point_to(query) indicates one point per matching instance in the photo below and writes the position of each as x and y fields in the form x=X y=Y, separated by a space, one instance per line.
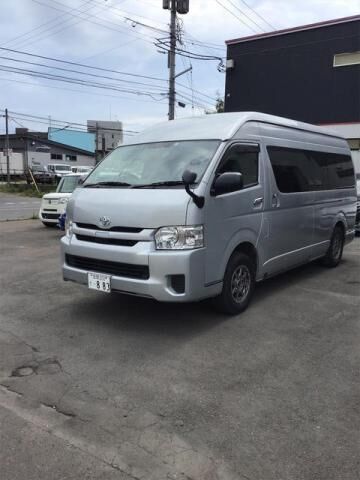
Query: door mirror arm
x=188 y=178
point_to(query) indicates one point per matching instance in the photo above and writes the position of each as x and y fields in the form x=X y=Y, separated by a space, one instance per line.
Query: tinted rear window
x=298 y=170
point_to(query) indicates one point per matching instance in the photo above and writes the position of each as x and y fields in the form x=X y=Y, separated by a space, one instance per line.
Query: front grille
x=90 y=226
x=107 y=241
x=49 y=209
x=111 y=268
x=50 y=216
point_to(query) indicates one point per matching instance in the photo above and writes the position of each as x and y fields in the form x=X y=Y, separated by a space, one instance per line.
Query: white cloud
x=116 y=45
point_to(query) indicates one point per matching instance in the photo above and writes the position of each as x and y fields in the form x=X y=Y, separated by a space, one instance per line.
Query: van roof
x=222 y=126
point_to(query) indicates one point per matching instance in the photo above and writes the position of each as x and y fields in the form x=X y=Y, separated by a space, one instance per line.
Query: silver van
x=205 y=207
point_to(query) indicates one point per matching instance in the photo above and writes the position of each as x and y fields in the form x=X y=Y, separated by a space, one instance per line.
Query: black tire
x=48 y=224
x=235 y=297
x=334 y=254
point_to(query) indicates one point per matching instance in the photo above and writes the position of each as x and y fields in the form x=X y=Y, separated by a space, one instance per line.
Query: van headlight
x=179 y=238
x=63 y=200
x=68 y=227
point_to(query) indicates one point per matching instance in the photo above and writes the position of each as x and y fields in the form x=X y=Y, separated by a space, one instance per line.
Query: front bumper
x=162 y=266
x=51 y=215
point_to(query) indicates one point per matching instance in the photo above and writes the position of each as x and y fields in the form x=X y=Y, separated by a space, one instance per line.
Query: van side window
x=295 y=170
x=338 y=170
x=298 y=170
x=244 y=161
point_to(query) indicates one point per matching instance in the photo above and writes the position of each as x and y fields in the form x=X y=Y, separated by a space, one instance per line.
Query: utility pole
x=7 y=147
x=175 y=6
x=172 y=64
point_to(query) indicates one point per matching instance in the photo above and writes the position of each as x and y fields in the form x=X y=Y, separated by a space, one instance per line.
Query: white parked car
x=59 y=170
x=54 y=204
x=81 y=169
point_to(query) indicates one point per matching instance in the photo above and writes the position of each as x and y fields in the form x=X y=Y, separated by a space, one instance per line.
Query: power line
x=43 y=119
x=247 y=16
x=144 y=37
x=62 y=78
x=159 y=88
x=84 y=92
x=15 y=39
x=54 y=30
x=53 y=59
x=236 y=16
x=258 y=14
x=132 y=82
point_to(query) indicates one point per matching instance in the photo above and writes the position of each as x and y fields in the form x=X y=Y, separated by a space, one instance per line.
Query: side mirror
x=189 y=178
x=227 y=182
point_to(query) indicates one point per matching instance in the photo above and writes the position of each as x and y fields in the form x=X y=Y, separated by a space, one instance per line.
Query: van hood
x=139 y=208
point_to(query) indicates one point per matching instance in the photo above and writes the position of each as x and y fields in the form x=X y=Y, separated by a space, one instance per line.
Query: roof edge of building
x=300 y=28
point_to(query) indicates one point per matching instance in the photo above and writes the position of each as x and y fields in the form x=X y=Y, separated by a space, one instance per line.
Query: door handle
x=275 y=200
x=258 y=201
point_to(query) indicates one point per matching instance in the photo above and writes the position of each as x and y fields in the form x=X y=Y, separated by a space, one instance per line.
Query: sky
x=123 y=36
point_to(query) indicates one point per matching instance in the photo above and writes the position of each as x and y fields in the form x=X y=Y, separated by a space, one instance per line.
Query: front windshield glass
x=154 y=163
x=63 y=168
x=68 y=184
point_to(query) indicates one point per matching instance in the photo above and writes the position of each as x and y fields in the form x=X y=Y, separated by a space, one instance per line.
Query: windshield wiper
x=107 y=184
x=168 y=183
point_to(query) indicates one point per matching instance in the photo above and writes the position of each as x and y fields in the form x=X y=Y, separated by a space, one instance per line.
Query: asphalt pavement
x=101 y=386
x=16 y=207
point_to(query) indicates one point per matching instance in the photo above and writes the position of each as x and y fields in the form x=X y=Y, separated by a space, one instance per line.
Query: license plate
x=100 y=282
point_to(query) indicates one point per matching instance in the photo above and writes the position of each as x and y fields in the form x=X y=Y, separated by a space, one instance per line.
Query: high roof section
x=310 y=26
x=222 y=126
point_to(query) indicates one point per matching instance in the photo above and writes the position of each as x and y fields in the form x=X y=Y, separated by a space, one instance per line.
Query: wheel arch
x=248 y=248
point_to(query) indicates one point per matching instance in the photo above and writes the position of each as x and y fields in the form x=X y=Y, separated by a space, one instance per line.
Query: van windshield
x=153 y=163
x=68 y=184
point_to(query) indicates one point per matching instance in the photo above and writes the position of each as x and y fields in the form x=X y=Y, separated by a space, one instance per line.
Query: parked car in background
x=59 y=170
x=357 y=221
x=54 y=204
x=81 y=169
x=41 y=174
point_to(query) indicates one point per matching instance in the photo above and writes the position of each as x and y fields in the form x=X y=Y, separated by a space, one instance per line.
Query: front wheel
x=335 y=250
x=238 y=285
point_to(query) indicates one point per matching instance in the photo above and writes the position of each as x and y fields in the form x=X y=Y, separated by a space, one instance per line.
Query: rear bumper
x=162 y=266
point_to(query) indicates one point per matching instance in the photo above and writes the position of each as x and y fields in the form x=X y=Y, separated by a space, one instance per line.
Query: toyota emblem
x=105 y=222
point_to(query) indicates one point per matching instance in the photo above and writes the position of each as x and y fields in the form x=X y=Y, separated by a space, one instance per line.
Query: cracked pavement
x=104 y=386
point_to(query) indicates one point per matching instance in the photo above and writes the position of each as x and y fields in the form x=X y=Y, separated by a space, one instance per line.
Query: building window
x=56 y=156
x=346 y=59
x=71 y=158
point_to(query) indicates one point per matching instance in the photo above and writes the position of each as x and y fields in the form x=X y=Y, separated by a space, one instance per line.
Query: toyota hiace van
x=206 y=207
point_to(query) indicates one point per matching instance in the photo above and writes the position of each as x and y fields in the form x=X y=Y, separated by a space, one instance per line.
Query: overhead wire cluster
x=16 y=61
x=61 y=124
x=246 y=15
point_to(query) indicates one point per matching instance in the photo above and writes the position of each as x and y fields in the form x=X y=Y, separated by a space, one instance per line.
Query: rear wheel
x=335 y=250
x=238 y=285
